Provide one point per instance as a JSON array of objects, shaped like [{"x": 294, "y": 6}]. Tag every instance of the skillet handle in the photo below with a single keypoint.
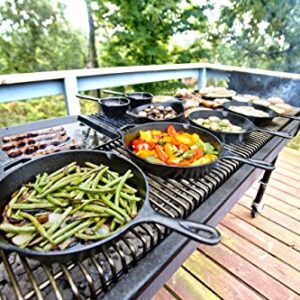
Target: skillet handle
[
  {"x": 11, "y": 164},
  {"x": 276, "y": 133},
  {"x": 130, "y": 113},
  {"x": 88, "y": 98},
  {"x": 114, "y": 93},
  {"x": 252, "y": 162},
  {"x": 295, "y": 118},
  {"x": 198, "y": 232}
]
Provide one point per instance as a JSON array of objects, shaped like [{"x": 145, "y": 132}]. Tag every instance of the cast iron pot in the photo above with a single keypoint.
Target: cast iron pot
[
  {"x": 136, "y": 98},
  {"x": 257, "y": 120},
  {"x": 113, "y": 107},
  {"x": 239, "y": 120},
  {"x": 176, "y": 105},
  {"x": 164, "y": 170},
  {"x": 27, "y": 172}
]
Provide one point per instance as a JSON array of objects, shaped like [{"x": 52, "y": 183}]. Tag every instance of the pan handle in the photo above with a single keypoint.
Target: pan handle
[
  {"x": 12, "y": 163},
  {"x": 295, "y": 118},
  {"x": 114, "y": 93},
  {"x": 130, "y": 113},
  {"x": 201, "y": 233},
  {"x": 251, "y": 162},
  {"x": 276, "y": 133},
  {"x": 88, "y": 98}
]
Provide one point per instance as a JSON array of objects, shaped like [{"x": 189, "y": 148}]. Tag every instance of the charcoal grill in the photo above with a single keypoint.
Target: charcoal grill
[{"x": 137, "y": 264}]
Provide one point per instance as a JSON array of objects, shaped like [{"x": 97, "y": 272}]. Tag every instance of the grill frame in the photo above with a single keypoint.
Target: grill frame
[{"x": 171, "y": 251}]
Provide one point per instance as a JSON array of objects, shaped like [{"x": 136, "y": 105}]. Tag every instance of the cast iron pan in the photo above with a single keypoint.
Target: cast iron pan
[
  {"x": 176, "y": 105},
  {"x": 256, "y": 120},
  {"x": 239, "y": 120},
  {"x": 164, "y": 170},
  {"x": 27, "y": 172}
]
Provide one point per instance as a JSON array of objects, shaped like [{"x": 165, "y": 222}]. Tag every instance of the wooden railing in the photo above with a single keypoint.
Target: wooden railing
[{"x": 33, "y": 85}]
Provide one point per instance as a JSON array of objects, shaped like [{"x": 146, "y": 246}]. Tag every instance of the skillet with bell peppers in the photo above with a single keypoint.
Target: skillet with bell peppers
[{"x": 173, "y": 148}]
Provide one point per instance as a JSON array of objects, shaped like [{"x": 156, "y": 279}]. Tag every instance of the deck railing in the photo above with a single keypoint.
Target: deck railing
[{"x": 33, "y": 85}]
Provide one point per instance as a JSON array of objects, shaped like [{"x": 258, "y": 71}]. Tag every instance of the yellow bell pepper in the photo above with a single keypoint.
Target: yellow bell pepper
[
  {"x": 201, "y": 161},
  {"x": 184, "y": 138},
  {"x": 145, "y": 153},
  {"x": 146, "y": 135},
  {"x": 169, "y": 150}
]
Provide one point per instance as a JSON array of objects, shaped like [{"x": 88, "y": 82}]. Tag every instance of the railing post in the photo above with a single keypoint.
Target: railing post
[
  {"x": 70, "y": 91},
  {"x": 202, "y": 78}
]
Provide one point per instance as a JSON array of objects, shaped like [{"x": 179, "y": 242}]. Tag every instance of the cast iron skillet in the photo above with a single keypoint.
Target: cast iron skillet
[
  {"x": 136, "y": 98},
  {"x": 164, "y": 170},
  {"x": 236, "y": 119},
  {"x": 257, "y": 120},
  {"x": 176, "y": 105},
  {"x": 25, "y": 173}
]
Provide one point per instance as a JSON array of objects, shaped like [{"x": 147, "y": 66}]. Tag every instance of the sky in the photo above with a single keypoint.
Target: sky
[{"x": 76, "y": 13}]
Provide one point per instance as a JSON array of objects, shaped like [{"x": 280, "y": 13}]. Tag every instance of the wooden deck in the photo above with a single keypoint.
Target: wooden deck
[{"x": 257, "y": 258}]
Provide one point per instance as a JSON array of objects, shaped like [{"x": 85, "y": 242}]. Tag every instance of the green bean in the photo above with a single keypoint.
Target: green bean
[
  {"x": 88, "y": 237},
  {"x": 102, "y": 209},
  {"x": 130, "y": 197},
  {"x": 16, "y": 229},
  {"x": 90, "y": 190},
  {"x": 38, "y": 226},
  {"x": 112, "y": 225},
  {"x": 133, "y": 209},
  {"x": 91, "y": 165},
  {"x": 68, "y": 234},
  {"x": 82, "y": 205},
  {"x": 55, "y": 201},
  {"x": 66, "y": 168},
  {"x": 120, "y": 186},
  {"x": 44, "y": 178},
  {"x": 116, "y": 175},
  {"x": 99, "y": 224},
  {"x": 61, "y": 195},
  {"x": 36, "y": 205},
  {"x": 124, "y": 204},
  {"x": 98, "y": 177},
  {"x": 15, "y": 199}
]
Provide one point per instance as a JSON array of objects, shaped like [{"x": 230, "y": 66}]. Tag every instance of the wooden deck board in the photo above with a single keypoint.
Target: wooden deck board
[{"x": 257, "y": 258}]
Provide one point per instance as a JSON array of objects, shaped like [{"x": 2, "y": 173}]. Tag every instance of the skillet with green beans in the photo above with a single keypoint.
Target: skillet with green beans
[{"x": 75, "y": 204}]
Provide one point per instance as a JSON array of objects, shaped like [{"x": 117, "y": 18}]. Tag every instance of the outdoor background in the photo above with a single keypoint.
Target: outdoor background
[{"x": 45, "y": 35}]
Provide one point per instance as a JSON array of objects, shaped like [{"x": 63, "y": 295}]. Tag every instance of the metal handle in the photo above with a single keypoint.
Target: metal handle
[
  {"x": 88, "y": 98},
  {"x": 251, "y": 162},
  {"x": 276, "y": 133},
  {"x": 201, "y": 233},
  {"x": 114, "y": 93},
  {"x": 295, "y": 118},
  {"x": 10, "y": 164},
  {"x": 130, "y": 113}
]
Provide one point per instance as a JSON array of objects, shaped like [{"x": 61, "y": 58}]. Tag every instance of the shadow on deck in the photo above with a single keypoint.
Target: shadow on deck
[{"x": 257, "y": 258}]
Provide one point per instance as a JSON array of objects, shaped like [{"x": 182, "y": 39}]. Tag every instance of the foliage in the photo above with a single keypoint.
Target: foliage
[{"x": 36, "y": 37}]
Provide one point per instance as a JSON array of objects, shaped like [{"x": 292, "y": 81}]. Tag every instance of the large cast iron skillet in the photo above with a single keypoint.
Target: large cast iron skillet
[
  {"x": 50, "y": 163},
  {"x": 257, "y": 120},
  {"x": 164, "y": 170},
  {"x": 239, "y": 120}
]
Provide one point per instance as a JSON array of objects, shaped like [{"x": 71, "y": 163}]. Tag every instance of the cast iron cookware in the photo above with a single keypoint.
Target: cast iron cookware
[
  {"x": 257, "y": 120},
  {"x": 164, "y": 170},
  {"x": 176, "y": 105},
  {"x": 27, "y": 172},
  {"x": 113, "y": 107},
  {"x": 136, "y": 98},
  {"x": 232, "y": 137}
]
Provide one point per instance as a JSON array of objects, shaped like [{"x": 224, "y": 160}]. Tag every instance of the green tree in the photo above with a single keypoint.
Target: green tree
[{"x": 36, "y": 37}]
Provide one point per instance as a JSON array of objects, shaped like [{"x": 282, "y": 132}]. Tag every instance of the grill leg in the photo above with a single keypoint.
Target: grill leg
[{"x": 258, "y": 204}]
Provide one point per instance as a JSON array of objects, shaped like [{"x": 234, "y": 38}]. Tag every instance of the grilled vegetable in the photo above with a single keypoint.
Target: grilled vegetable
[
  {"x": 69, "y": 206},
  {"x": 173, "y": 148}
]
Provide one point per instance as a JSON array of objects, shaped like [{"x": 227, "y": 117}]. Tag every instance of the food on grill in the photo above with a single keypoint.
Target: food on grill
[
  {"x": 72, "y": 145},
  {"x": 275, "y": 100},
  {"x": 216, "y": 124},
  {"x": 173, "y": 148},
  {"x": 217, "y": 92},
  {"x": 75, "y": 204},
  {"x": 282, "y": 108},
  {"x": 158, "y": 112},
  {"x": 241, "y": 98},
  {"x": 249, "y": 111},
  {"x": 25, "y": 135},
  {"x": 262, "y": 102},
  {"x": 29, "y": 149}
]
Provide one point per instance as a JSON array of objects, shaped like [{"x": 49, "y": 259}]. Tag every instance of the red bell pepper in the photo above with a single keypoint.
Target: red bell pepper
[{"x": 161, "y": 153}]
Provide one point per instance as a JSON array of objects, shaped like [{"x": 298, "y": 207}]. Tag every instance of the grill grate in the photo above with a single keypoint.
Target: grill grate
[{"x": 27, "y": 279}]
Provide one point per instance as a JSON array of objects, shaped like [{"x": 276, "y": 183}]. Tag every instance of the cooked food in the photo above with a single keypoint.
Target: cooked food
[
  {"x": 249, "y": 111},
  {"x": 217, "y": 92},
  {"x": 275, "y": 100},
  {"x": 241, "y": 98},
  {"x": 173, "y": 148},
  {"x": 26, "y": 135},
  {"x": 216, "y": 124},
  {"x": 158, "y": 112},
  {"x": 262, "y": 102},
  {"x": 277, "y": 109},
  {"x": 75, "y": 204},
  {"x": 282, "y": 108},
  {"x": 250, "y": 97}
]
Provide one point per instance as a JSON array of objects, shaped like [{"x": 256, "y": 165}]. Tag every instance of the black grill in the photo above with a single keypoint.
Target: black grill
[{"x": 27, "y": 279}]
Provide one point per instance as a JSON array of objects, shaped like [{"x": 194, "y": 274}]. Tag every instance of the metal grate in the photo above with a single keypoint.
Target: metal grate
[{"x": 23, "y": 278}]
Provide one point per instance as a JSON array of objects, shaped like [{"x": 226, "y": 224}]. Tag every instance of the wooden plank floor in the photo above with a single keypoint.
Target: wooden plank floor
[{"x": 257, "y": 258}]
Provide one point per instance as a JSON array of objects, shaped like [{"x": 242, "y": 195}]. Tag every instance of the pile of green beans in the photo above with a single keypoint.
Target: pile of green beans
[{"x": 73, "y": 204}]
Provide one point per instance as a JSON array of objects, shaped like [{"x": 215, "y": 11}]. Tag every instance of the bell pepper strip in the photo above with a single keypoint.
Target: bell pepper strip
[
  {"x": 171, "y": 131},
  {"x": 161, "y": 153},
  {"x": 198, "y": 153},
  {"x": 184, "y": 139},
  {"x": 168, "y": 148}
]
